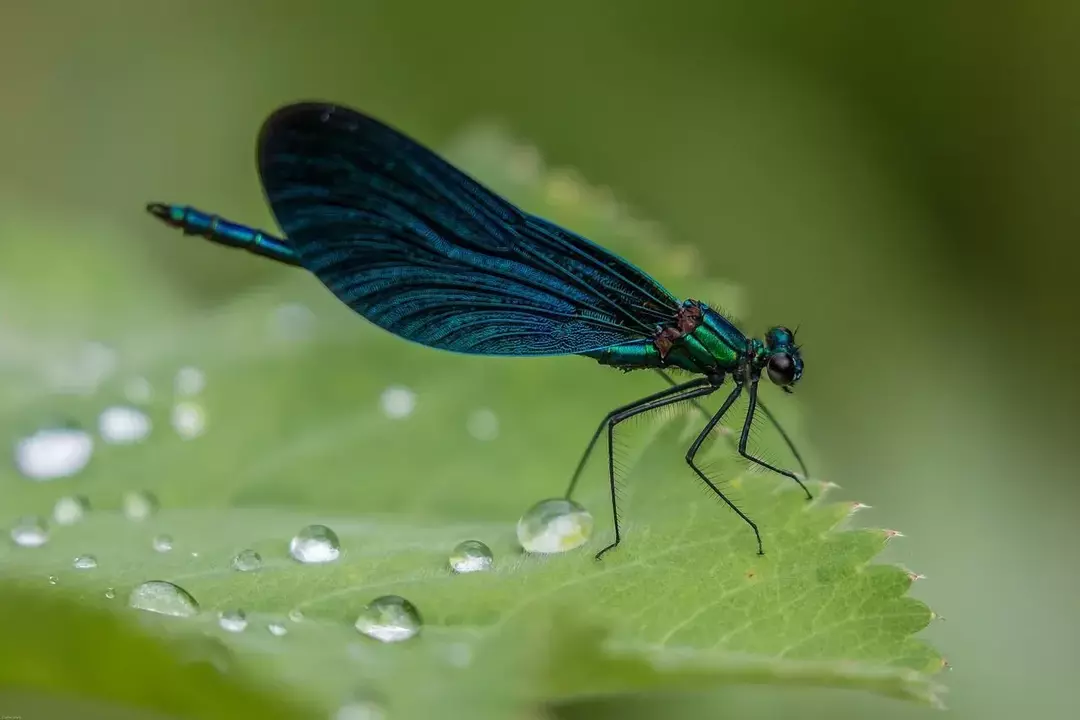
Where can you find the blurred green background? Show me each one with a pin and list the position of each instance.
(898, 181)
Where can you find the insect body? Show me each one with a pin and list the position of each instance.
(427, 253)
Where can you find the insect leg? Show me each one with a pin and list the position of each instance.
(704, 410)
(674, 390)
(791, 445)
(746, 434)
(637, 409)
(731, 398)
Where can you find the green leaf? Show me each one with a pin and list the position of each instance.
(295, 435)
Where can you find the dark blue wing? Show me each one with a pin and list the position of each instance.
(422, 250)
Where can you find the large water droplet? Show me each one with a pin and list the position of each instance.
(233, 620)
(70, 509)
(389, 618)
(189, 420)
(162, 597)
(53, 453)
(471, 556)
(139, 504)
(121, 425)
(277, 629)
(189, 381)
(315, 544)
(397, 402)
(85, 562)
(247, 560)
(483, 424)
(30, 531)
(554, 526)
(163, 543)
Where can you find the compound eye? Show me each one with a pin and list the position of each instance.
(781, 369)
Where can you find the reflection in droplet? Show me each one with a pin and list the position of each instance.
(247, 560)
(121, 425)
(483, 424)
(389, 618)
(554, 526)
(70, 509)
(397, 402)
(315, 544)
(471, 556)
(233, 620)
(85, 562)
(52, 453)
(162, 597)
(30, 531)
(139, 504)
(189, 420)
(163, 543)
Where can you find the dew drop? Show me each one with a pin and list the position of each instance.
(30, 531)
(189, 420)
(315, 544)
(397, 402)
(389, 618)
(52, 453)
(471, 556)
(277, 629)
(296, 615)
(159, 596)
(233, 620)
(163, 543)
(483, 424)
(139, 504)
(70, 509)
(554, 526)
(122, 425)
(189, 381)
(247, 560)
(85, 562)
(53, 579)
(110, 593)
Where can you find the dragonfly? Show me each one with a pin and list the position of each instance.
(424, 251)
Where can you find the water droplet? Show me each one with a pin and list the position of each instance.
(247, 560)
(138, 390)
(85, 562)
(70, 509)
(360, 708)
(189, 420)
(30, 531)
(110, 593)
(471, 556)
(53, 579)
(233, 620)
(139, 504)
(291, 322)
(553, 526)
(163, 543)
(389, 618)
(459, 654)
(315, 544)
(276, 628)
(296, 615)
(483, 424)
(52, 453)
(121, 425)
(397, 402)
(189, 381)
(162, 597)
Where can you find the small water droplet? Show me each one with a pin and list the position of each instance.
(291, 323)
(30, 531)
(163, 543)
(110, 593)
(53, 579)
(247, 560)
(233, 620)
(315, 544)
(138, 390)
(397, 402)
(554, 526)
(389, 618)
(296, 615)
(85, 562)
(139, 504)
(483, 424)
(276, 628)
(189, 420)
(459, 654)
(189, 381)
(70, 509)
(121, 425)
(52, 453)
(471, 556)
(159, 596)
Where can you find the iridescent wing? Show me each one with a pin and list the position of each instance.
(424, 251)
